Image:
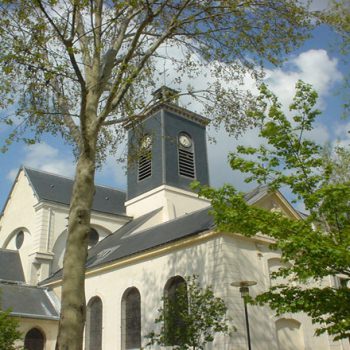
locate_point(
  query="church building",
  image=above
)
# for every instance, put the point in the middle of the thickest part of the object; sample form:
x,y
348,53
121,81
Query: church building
x,y
143,243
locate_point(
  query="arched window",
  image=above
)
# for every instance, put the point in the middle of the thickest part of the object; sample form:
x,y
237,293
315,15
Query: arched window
x,y
93,331
175,307
131,319
289,334
17,239
34,340
186,156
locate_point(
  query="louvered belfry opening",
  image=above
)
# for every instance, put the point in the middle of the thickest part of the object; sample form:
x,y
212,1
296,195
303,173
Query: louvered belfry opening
x,y
186,157
186,163
145,159
145,166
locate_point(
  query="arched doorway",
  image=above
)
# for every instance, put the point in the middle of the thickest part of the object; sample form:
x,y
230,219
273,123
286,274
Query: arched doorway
x,y
34,340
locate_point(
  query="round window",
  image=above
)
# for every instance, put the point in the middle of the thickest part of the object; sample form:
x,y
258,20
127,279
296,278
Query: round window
x,y
93,237
19,239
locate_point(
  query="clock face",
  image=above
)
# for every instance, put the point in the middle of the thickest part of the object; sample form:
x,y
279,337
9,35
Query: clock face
x,y
185,141
146,142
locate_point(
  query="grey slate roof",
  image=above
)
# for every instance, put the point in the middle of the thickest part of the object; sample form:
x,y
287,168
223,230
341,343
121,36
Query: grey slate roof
x,y
11,266
28,301
58,189
256,194
125,242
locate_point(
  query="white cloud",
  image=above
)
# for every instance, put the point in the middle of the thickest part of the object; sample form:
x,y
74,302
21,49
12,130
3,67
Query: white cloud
x,y
342,133
318,5
47,158
319,134
113,172
219,168
313,66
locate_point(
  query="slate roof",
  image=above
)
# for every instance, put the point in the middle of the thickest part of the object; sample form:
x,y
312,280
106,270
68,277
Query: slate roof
x,y
256,194
124,242
58,189
11,266
29,301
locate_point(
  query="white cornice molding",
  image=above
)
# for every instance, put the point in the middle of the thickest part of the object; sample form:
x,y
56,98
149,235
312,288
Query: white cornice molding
x,y
174,108
165,249
65,208
165,188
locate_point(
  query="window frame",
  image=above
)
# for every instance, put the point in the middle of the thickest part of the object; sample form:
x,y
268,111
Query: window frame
x,y
131,325
94,324
173,324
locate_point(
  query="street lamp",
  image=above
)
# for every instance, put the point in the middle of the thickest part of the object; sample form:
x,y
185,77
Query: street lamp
x,y
244,289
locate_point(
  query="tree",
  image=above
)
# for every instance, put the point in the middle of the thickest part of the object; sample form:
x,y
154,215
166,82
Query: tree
x,y
8,331
338,159
317,246
83,70
190,318
337,16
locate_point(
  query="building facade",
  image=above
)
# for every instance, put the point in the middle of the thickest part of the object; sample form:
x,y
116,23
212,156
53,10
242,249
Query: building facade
x,y
142,244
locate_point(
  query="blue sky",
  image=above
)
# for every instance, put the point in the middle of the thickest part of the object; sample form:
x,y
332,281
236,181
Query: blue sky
x,y
316,62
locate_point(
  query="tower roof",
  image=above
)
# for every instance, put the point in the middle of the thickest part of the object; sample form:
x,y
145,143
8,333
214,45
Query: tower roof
x,y
166,94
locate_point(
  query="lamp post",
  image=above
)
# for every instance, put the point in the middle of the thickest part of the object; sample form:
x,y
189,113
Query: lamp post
x,y
244,289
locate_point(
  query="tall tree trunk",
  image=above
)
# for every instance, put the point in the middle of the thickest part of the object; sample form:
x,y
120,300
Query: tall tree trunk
x,y
72,321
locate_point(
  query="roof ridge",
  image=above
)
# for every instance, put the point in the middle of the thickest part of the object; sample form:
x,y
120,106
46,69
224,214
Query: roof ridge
x,y
110,188
67,178
22,284
169,221
25,167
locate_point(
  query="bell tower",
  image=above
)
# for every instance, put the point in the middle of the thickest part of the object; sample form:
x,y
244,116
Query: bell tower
x,y
167,151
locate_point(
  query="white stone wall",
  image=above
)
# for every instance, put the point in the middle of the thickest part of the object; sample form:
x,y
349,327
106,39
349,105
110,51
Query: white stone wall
x,y
47,327
19,214
43,224
218,261
150,277
174,202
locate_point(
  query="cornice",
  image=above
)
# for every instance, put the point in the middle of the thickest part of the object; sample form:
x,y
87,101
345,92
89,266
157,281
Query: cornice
x,y
174,108
165,249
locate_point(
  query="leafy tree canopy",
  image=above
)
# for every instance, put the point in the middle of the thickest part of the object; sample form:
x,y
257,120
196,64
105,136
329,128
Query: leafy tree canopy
x,y
190,318
8,331
337,16
58,56
84,70
317,246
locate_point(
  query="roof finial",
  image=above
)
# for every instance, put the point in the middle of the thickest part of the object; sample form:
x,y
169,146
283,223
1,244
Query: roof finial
x,y
166,94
